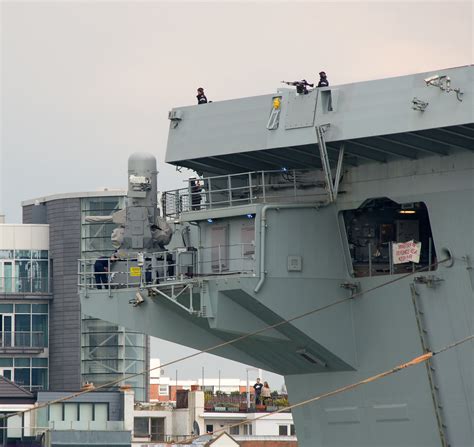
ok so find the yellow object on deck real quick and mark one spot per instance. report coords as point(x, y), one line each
point(135, 271)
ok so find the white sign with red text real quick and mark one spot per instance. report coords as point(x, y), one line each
point(406, 252)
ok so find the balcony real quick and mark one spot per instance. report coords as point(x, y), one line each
point(22, 341)
point(284, 185)
point(24, 285)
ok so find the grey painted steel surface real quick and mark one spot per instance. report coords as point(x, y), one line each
point(141, 209)
point(368, 334)
point(362, 110)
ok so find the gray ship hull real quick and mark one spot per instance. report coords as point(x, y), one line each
point(424, 406)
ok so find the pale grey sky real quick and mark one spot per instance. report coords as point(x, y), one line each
point(85, 83)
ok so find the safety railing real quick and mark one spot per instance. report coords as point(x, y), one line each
point(158, 437)
point(243, 189)
point(22, 339)
point(377, 259)
point(102, 425)
point(177, 265)
point(104, 273)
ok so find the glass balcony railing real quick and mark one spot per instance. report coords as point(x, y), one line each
point(22, 339)
point(23, 285)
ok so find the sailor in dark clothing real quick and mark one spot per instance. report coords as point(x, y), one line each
point(301, 86)
point(101, 269)
point(323, 80)
point(196, 189)
point(201, 97)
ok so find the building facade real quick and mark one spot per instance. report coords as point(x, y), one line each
point(163, 422)
point(100, 419)
point(25, 298)
point(84, 349)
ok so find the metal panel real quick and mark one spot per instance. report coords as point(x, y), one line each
point(300, 110)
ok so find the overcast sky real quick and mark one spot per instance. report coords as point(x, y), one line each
point(86, 83)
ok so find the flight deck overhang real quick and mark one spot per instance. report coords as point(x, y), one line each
point(408, 117)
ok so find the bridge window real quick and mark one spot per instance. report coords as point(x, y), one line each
point(374, 230)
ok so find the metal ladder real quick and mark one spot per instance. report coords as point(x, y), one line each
point(430, 369)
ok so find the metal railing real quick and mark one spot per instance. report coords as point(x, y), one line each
point(238, 403)
point(32, 388)
point(243, 189)
point(377, 260)
point(159, 437)
point(169, 266)
point(9, 284)
point(22, 339)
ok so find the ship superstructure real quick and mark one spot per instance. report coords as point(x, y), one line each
point(303, 201)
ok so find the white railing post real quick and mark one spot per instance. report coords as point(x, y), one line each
point(250, 188)
point(294, 182)
point(210, 192)
point(263, 185)
point(219, 260)
point(229, 186)
point(176, 202)
point(108, 272)
point(190, 196)
point(127, 273)
point(390, 259)
point(370, 259)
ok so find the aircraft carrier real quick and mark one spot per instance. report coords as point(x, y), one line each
point(352, 203)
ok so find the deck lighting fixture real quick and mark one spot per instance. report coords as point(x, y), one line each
point(250, 216)
point(284, 169)
point(210, 220)
point(407, 208)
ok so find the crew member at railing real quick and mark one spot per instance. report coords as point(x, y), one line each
point(195, 188)
point(201, 97)
point(323, 80)
point(101, 270)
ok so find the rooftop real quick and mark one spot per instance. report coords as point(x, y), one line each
point(75, 195)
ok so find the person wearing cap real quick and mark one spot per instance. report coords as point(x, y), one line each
point(201, 97)
point(196, 189)
point(323, 80)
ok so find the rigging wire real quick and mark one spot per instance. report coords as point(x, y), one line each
point(415, 361)
point(226, 343)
